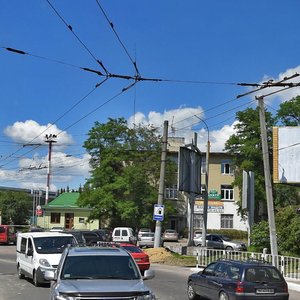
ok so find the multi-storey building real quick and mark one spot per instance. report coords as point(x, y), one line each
point(222, 195)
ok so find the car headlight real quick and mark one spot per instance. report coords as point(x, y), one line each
point(146, 297)
point(44, 262)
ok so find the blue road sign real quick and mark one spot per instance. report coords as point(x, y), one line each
point(158, 214)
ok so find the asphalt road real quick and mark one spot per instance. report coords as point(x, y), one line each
point(168, 284)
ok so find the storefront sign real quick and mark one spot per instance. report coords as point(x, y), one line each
point(214, 206)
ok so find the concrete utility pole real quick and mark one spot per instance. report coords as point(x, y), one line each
point(50, 139)
point(161, 190)
point(205, 202)
point(268, 182)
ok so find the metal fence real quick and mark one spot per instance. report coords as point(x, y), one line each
point(289, 266)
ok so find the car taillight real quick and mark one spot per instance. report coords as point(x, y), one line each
point(239, 287)
point(285, 287)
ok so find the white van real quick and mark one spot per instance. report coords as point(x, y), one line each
point(124, 235)
point(38, 252)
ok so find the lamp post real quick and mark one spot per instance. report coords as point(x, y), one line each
point(205, 202)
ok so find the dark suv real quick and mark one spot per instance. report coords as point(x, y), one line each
point(239, 280)
point(98, 273)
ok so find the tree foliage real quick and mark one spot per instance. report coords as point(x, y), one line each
point(125, 172)
point(289, 112)
point(15, 207)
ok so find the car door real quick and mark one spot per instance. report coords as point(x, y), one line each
point(203, 284)
point(216, 242)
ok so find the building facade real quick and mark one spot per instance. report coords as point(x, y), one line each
point(222, 195)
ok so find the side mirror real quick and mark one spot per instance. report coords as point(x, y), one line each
point(50, 275)
point(148, 274)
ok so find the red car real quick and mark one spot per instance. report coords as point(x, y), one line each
point(141, 258)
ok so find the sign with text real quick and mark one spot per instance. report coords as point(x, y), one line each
point(158, 214)
point(214, 206)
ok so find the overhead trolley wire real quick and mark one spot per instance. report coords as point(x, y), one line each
point(77, 37)
point(118, 37)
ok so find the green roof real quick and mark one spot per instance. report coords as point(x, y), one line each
point(65, 200)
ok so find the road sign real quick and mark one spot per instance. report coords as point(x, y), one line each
point(158, 214)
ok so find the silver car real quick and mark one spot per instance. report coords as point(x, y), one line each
point(218, 241)
point(98, 273)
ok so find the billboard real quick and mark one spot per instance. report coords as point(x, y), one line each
point(286, 154)
point(189, 177)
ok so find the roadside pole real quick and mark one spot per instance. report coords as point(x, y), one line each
point(160, 199)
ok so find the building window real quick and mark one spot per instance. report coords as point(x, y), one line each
point(226, 167)
point(198, 221)
point(171, 192)
point(81, 220)
point(226, 221)
point(55, 218)
point(227, 192)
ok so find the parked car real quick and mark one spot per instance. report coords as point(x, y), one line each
point(170, 235)
point(141, 258)
point(124, 235)
point(101, 233)
point(78, 234)
point(228, 279)
point(218, 241)
point(91, 237)
point(197, 233)
point(7, 234)
point(143, 230)
point(98, 273)
point(146, 239)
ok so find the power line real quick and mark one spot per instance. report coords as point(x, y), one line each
point(118, 38)
point(77, 37)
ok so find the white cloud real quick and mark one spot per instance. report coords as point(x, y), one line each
point(182, 122)
point(282, 95)
point(32, 132)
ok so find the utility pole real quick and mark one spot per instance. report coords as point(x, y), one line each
point(205, 202)
point(161, 189)
point(268, 183)
point(50, 139)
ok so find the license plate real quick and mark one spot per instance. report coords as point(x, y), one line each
point(265, 291)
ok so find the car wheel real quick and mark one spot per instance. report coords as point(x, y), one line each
point(191, 293)
point(229, 248)
point(20, 274)
point(223, 296)
point(35, 280)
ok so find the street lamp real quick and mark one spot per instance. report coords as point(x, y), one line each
point(205, 206)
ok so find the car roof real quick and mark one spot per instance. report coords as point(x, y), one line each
point(88, 251)
point(246, 263)
point(44, 234)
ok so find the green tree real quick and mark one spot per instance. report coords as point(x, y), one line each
point(125, 172)
point(245, 146)
point(15, 207)
point(289, 112)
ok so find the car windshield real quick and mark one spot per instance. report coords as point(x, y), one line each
point(53, 244)
point(99, 267)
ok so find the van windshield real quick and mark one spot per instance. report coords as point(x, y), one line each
point(57, 244)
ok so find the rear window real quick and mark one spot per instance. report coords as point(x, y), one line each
point(261, 274)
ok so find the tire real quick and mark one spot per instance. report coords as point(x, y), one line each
point(229, 248)
point(191, 293)
point(20, 274)
point(35, 280)
point(223, 296)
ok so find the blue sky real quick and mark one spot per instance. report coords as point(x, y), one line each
point(201, 49)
